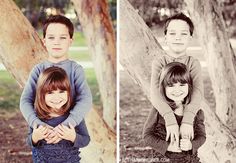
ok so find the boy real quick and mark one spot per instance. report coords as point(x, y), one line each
point(57, 38)
point(178, 32)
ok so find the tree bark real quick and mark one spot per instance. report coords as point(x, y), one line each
point(210, 28)
point(96, 24)
point(18, 37)
point(138, 48)
point(20, 49)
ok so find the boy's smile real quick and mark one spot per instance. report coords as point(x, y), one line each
point(177, 38)
point(57, 41)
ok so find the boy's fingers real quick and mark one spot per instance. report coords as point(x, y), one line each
point(167, 135)
point(35, 126)
point(70, 125)
point(177, 138)
point(192, 136)
point(172, 138)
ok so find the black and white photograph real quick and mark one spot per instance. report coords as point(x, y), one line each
point(177, 81)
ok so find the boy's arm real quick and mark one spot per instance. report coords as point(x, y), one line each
point(156, 99)
point(82, 136)
point(83, 99)
point(149, 136)
point(197, 95)
point(28, 97)
point(199, 132)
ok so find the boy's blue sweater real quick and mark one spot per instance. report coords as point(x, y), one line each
point(81, 93)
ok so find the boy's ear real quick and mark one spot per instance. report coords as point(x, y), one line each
point(43, 41)
point(71, 40)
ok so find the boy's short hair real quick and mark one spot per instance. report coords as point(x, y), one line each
point(179, 16)
point(59, 19)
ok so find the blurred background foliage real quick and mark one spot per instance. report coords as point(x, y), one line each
point(154, 12)
point(38, 10)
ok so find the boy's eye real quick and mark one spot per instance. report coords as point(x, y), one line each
point(184, 34)
point(172, 33)
point(51, 38)
point(63, 38)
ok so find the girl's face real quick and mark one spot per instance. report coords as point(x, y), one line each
point(177, 37)
point(57, 41)
point(177, 92)
point(56, 99)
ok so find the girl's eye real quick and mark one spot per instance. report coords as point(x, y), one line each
point(172, 33)
point(184, 34)
point(50, 38)
point(62, 91)
point(182, 84)
point(49, 92)
point(63, 38)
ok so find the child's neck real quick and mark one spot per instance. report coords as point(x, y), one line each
point(175, 55)
point(57, 60)
point(179, 110)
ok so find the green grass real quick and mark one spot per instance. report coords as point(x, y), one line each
point(80, 55)
point(79, 39)
point(10, 91)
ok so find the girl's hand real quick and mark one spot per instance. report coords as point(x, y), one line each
point(39, 133)
point(53, 136)
point(185, 144)
point(67, 133)
point(174, 147)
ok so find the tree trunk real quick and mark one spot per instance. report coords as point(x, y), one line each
point(20, 50)
point(18, 37)
point(138, 48)
point(96, 24)
point(210, 28)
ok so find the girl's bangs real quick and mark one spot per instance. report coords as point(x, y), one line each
point(52, 85)
point(175, 77)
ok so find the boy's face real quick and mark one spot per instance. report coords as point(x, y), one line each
point(57, 41)
point(177, 37)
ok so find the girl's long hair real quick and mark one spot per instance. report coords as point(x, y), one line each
point(172, 73)
point(51, 79)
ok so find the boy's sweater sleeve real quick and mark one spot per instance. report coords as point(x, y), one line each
point(28, 97)
point(156, 99)
point(194, 106)
point(82, 136)
point(199, 132)
point(83, 99)
point(149, 136)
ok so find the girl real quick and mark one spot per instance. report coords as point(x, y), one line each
point(176, 89)
point(52, 104)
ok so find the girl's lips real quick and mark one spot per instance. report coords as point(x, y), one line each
point(177, 94)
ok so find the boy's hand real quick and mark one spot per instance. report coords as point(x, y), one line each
point(172, 132)
point(185, 144)
point(67, 133)
point(174, 147)
point(186, 130)
point(39, 133)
